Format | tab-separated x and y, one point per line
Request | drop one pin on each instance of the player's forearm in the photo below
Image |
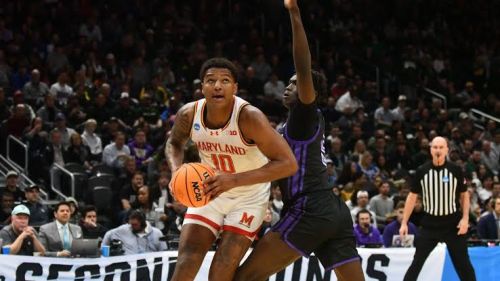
465	203
301	53
409	205
273	170
174	153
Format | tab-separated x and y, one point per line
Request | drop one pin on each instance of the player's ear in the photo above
235	89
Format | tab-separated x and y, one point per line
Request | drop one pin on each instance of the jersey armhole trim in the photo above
192	121
238	126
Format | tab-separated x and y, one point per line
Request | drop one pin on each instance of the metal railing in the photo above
6	165
483	115
10	139
438	95
57	189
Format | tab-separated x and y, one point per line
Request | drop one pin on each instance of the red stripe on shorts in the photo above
240	231
203	219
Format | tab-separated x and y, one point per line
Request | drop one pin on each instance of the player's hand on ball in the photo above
463	226
213	186
290	4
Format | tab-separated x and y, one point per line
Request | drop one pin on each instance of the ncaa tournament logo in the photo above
196	126
446	179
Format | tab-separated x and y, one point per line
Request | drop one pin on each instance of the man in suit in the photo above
58	235
489	225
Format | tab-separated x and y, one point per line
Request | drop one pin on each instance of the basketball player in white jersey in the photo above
236	139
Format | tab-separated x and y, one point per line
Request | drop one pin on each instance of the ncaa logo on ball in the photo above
196	126
197	191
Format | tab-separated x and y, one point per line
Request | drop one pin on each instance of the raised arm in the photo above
179	135
256	128
301	55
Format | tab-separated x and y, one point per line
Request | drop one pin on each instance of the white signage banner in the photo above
378	264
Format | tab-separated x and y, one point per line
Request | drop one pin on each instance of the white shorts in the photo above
238	214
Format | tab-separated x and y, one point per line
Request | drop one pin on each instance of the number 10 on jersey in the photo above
223	162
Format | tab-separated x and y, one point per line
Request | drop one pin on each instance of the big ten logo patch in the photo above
246	220
232	133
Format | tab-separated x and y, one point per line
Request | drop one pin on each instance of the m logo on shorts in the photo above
246	220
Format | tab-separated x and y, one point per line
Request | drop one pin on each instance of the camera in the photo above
116	248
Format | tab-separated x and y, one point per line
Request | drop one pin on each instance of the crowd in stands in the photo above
97	85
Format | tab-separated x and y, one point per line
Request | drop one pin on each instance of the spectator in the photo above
137	236
422	155
381	204
367	166
99	110
365	233
18	122
61	90
337	154
75	215
77	152
274	88
39	212
115	154
129	192
88	223
48	112
54	150
18	99
383	115
124	110
58	235
361	203
262	68
7	204
490	157
403	188
146	205
35	90
141	150
11	186
339	88
399	111
348	103
66	133
393	228
19	236
92	141
489	225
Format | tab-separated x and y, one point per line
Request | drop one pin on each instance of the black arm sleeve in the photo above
302	121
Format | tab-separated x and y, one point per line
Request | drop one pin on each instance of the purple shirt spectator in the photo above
372	237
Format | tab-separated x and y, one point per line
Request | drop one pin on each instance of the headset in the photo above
140	216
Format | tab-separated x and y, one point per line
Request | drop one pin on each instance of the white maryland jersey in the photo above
225	149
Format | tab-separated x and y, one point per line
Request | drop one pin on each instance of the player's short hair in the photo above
319	83
219	63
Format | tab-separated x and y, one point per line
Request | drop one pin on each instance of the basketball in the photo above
187	183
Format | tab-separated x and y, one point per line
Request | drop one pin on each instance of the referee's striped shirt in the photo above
440	187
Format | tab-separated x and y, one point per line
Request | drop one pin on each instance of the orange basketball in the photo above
187	184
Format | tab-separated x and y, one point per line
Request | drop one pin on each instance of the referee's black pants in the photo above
427	240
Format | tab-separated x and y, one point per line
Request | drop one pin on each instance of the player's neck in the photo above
217	117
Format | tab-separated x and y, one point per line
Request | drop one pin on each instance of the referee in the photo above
441	185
